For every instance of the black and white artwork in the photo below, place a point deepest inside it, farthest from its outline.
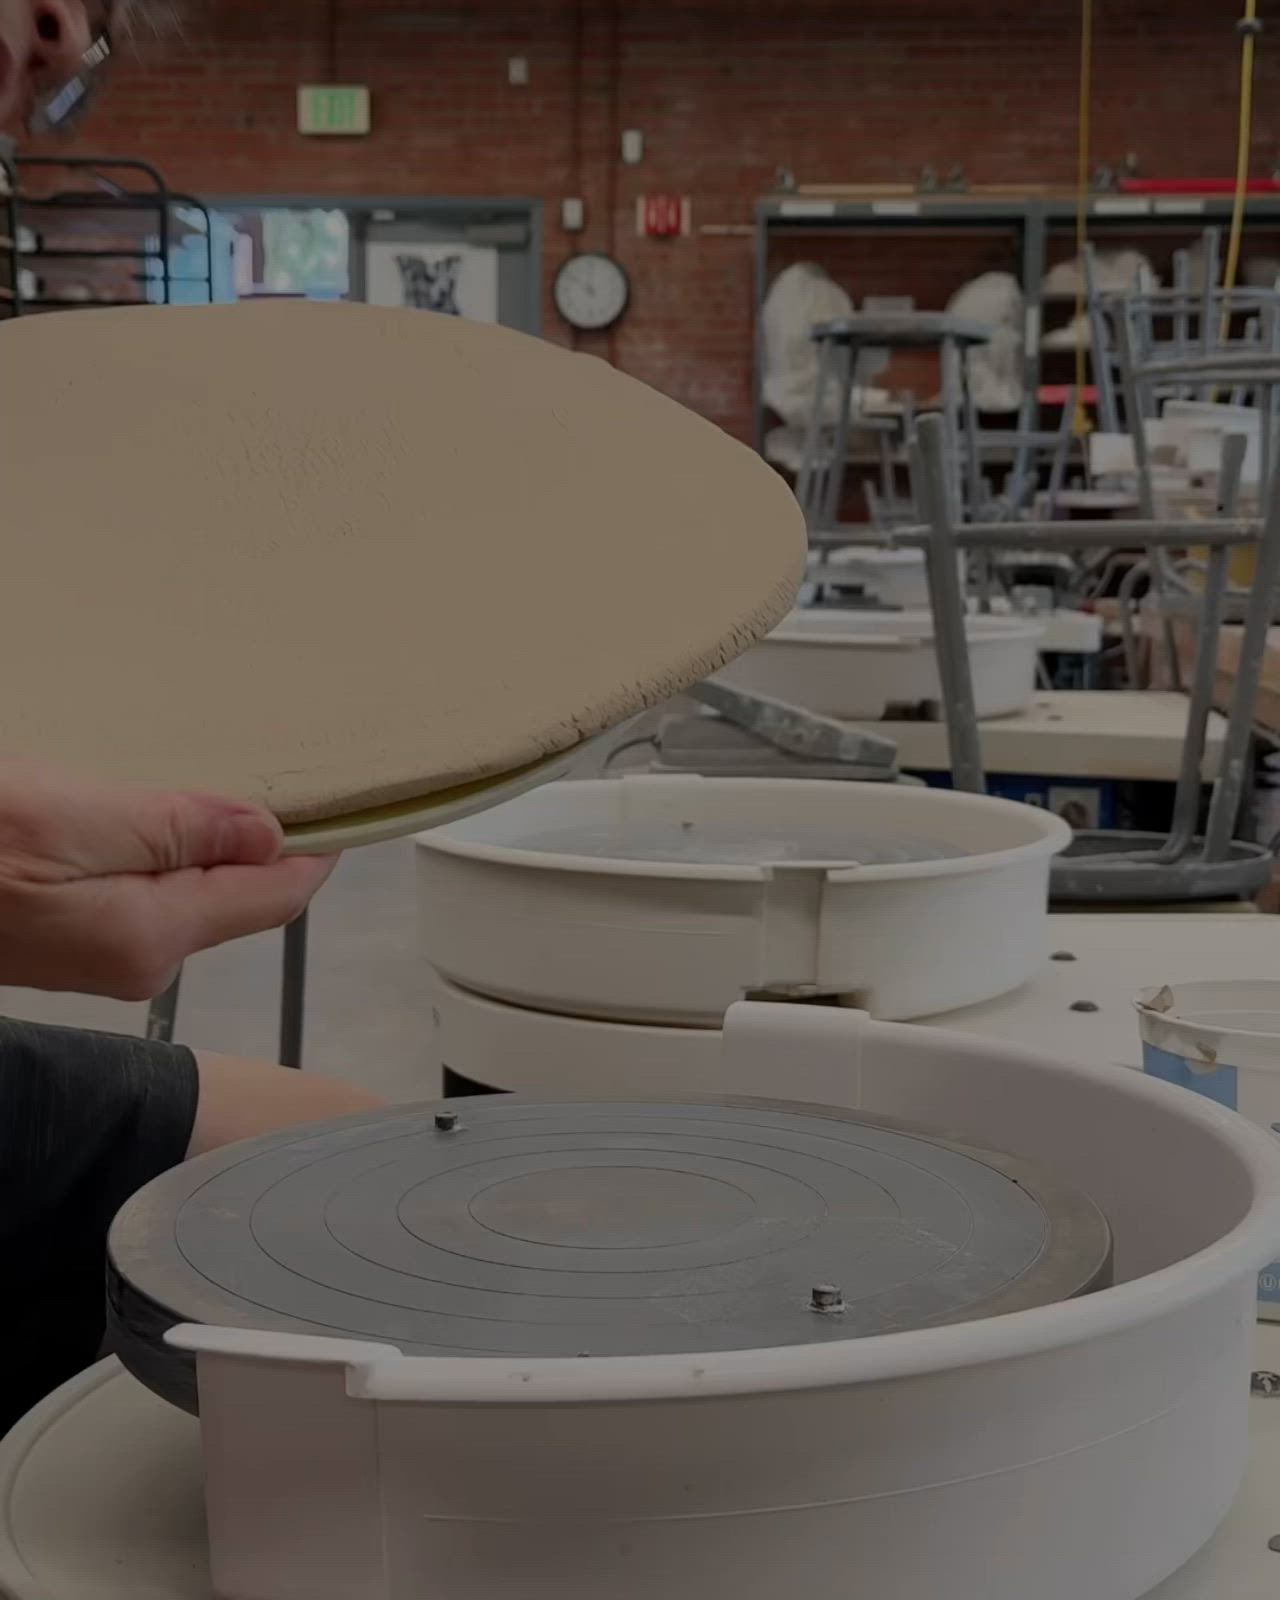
(430, 285)
(456, 279)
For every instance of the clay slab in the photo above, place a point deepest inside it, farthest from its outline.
(336, 557)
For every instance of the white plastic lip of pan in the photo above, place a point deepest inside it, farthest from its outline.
(666, 899)
(1082, 1448)
(866, 664)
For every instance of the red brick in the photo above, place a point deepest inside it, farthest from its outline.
(725, 91)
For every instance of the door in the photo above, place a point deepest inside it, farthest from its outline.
(464, 258)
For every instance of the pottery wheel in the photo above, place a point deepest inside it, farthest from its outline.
(547, 1228)
(716, 843)
(335, 557)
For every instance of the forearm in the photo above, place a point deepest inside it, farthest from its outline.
(241, 1098)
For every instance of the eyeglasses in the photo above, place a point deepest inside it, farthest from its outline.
(62, 107)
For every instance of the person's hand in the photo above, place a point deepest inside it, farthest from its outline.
(108, 890)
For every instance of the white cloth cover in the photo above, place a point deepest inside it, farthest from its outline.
(995, 369)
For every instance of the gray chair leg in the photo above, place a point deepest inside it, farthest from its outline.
(163, 1011)
(293, 992)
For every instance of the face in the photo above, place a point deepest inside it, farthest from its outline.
(41, 44)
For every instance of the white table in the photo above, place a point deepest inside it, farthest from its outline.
(1116, 954)
(1072, 733)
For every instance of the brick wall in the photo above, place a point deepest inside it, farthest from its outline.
(725, 91)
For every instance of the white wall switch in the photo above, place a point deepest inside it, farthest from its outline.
(518, 70)
(573, 214)
(632, 146)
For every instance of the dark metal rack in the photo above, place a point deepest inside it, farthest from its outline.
(10, 266)
(1030, 223)
(99, 210)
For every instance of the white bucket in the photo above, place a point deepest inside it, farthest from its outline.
(1221, 1040)
(894, 577)
(864, 665)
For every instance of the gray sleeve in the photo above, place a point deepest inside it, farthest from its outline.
(85, 1120)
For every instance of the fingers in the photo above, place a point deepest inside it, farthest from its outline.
(55, 826)
(202, 909)
(97, 832)
(109, 889)
(127, 935)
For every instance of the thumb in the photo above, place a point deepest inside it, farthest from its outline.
(152, 831)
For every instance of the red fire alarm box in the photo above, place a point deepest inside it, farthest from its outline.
(662, 216)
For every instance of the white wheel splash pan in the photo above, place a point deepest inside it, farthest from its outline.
(1083, 1451)
(866, 664)
(755, 899)
(894, 577)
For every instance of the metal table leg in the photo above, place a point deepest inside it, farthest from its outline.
(834, 491)
(1061, 450)
(1208, 332)
(1229, 789)
(809, 477)
(947, 599)
(1016, 482)
(888, 480)
(952, 388)
(1100, 344)
(163, 1011)
(1186, 801)
(293, 992)
(1181, 317)
(974, 481)
(1146, 500)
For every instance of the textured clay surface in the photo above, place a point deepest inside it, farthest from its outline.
(329, 557)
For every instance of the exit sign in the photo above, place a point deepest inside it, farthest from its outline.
(333, 108)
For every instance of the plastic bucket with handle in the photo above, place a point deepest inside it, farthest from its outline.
(1221, 1039)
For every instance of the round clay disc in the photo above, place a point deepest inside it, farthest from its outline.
(550, 1228)
(333, 557)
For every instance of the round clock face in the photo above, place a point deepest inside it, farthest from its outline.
(591, 291)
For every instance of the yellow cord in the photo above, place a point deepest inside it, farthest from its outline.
(1242, 161)
(1081, 422)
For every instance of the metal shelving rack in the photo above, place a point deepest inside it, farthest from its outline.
(10, 266)
(1031, 221)
(102, 210)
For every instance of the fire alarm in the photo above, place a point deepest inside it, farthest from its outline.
(662, 216)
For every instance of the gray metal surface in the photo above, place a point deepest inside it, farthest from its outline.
(1186, 802)
(903, 329)
(951, 642)
(1136, 871)
(162, 1014)
(1111, 533)
(544, 1228)
(799, 732)
(293, 991)
(1031, 221)
(712, 747)
(1105, 867)
(1224, 808)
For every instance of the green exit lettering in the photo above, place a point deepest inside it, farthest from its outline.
(341, 108)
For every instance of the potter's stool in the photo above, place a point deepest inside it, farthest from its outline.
(840, 345)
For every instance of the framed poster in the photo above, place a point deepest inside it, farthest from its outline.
(452, 277)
